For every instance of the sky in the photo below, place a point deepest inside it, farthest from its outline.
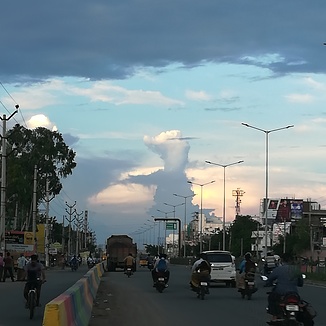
(146, 91)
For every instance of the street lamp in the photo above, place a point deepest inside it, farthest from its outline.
(174, 206)
(166, 216)
(224, 166)
(201, 211)
(267, 132)
(185, 221)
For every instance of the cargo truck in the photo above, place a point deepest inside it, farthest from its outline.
(118, 247)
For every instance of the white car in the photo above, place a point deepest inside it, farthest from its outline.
(223, 266)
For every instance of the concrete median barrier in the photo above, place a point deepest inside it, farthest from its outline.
(74, 306)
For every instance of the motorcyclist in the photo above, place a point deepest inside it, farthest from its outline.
(287, 278)
(149, 259)
(247, 266)
(201, 270)
(90, 261)
(35, 275)
(129, 262)
(74, 261)
(270, 263)
(161, 266)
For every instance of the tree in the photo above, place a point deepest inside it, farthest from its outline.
(240, 232)
(38, 147)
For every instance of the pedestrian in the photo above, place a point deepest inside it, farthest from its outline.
(8, 268)
(21, 263)
(1, 266)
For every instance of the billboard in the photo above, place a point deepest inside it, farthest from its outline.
(19, 241)
(283, 209)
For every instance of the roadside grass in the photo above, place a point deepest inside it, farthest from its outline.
(321, 277)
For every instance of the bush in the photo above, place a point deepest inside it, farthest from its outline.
(316, 276)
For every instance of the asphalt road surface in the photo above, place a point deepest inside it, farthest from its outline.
(126, 301)
(12, 302)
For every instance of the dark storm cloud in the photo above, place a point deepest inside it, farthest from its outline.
(110, 39)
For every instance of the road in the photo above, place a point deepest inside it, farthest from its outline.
(12, 302)
(133, 301)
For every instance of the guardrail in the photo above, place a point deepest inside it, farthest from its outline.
(74, 306)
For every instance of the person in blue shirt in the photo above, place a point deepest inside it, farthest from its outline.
(246, 265)
(287, 278)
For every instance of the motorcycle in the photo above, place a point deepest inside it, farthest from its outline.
(150, 266)
(128, 272)
(203, 286)
(160, 284)
(74, 267)
(250, 286)
(293, 311)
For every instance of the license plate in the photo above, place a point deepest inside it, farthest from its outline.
(203, 283)
(129, 269)
(292, 307)
(218, 268)
(251, 283)
(161, 279)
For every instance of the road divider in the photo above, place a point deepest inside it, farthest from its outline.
(74, 306)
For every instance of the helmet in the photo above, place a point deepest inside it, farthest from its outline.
(248, 256)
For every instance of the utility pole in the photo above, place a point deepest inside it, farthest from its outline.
(78, 225)
(34, 207)
(70, 220)
(4, 179)
(85, 228)
(46, 242)
(63, 234)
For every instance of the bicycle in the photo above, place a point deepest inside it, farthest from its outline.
(32, 297)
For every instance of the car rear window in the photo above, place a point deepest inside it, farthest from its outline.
(219, 258)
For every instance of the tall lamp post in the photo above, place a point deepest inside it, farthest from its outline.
(224, 166)
(185, 221)
(201, 211)
(267, 132)
(174, 206)
(166, 216)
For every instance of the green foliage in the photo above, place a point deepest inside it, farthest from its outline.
(38, 147)
(297, 241)
(240, 232)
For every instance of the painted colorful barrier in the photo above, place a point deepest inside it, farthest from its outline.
(74, 306)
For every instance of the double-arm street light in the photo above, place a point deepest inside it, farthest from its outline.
(267, 132)
(185, 221)
(224, 166)
(201, 211)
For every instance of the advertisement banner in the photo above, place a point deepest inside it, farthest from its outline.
(284, 211)
(296, 209)
(19, 241)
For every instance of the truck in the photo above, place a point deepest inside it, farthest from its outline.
(118, 247)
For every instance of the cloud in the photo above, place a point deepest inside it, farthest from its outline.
(300, 98)
(40, 120)
(115, 45)
(198, 95)
(106, 92)
(174, 153)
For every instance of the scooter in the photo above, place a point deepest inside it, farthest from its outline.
(160, 284)
(250, 286)
(128, 271)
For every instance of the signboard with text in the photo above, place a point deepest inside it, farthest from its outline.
(171, 226)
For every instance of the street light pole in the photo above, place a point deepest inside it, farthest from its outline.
(174, 206)
(201, 211)
(267, 132)
(224, 166)
(166, 216)
(185, 221)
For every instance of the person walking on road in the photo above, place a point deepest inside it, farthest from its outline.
(21, 262)
(8, 268)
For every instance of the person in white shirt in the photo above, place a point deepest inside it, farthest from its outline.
(21, 263)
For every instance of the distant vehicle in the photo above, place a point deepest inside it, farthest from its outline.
(143, 260)
(117, 248)
(223, 266)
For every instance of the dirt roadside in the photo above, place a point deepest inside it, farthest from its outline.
(101, 310)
